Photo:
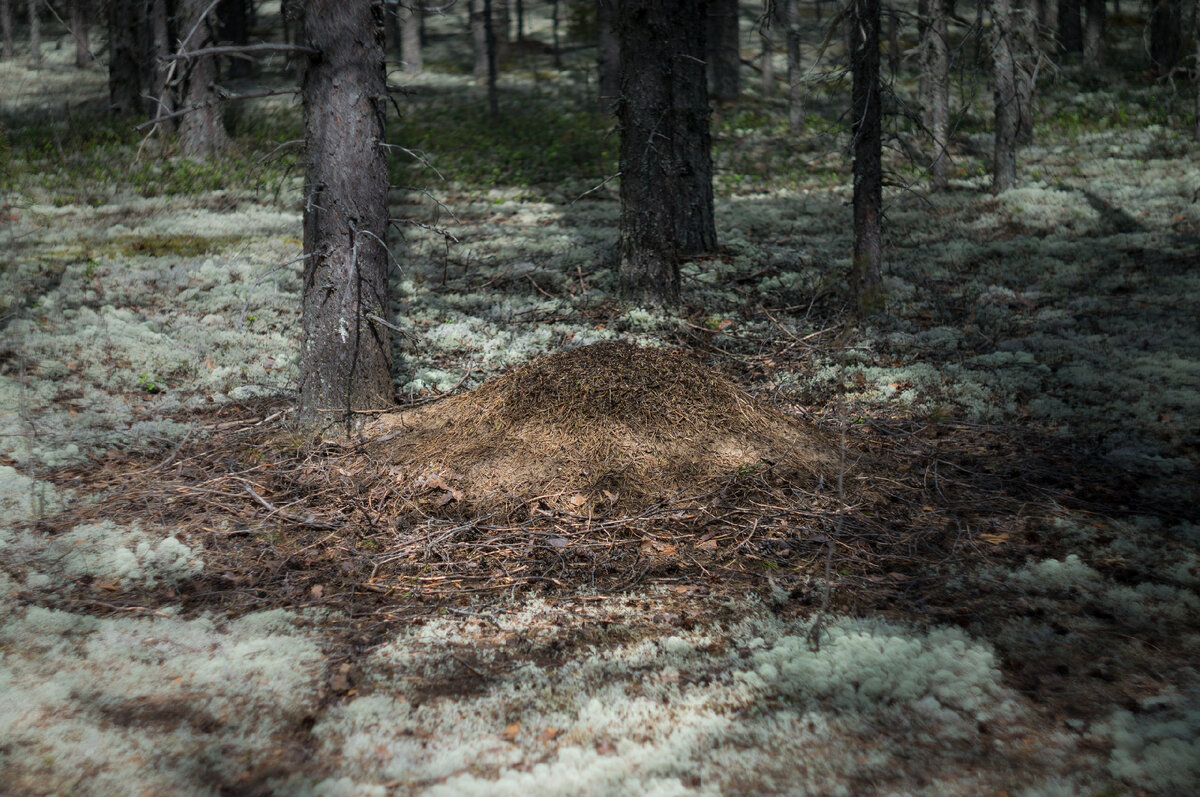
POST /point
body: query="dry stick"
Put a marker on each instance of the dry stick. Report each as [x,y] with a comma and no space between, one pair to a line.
[246,51]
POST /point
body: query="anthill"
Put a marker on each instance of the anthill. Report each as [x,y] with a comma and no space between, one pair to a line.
[594,430]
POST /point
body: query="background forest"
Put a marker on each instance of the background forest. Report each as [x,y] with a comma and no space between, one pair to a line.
[758,537]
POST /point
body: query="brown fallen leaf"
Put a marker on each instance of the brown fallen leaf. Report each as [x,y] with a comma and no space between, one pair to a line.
[510,733]
[549,735]
[995,539]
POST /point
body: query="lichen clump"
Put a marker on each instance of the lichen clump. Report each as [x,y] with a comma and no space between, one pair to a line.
[606,427]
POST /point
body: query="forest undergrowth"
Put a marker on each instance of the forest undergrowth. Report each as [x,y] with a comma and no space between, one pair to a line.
[972,568]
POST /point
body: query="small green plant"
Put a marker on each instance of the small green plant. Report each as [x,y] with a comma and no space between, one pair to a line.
[147,383]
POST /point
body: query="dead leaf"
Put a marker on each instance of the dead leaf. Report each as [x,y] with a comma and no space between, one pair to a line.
[451,494]
[707,545]
[317,591]
[549,735]
[577,500]
[995,539]
[510,733]
[558,542]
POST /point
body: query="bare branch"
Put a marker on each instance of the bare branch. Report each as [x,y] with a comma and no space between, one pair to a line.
[247,51]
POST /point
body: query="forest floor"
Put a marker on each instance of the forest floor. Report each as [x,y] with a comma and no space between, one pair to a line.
[972,569]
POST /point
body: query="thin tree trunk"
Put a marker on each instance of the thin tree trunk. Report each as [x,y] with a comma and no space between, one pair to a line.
[201,132]
[555,18]
[1165,41]
[1196,68]
[234,17]
[410,38]
[1070,27]
[160,47]
[666,165]
[521,20]
[938,68]
[479,38]
[795,75]
[893,30]
[768,56]
[124,65]
[724,50]
[1026,55]
[489,35]
[608,56]
[866,277]
[6,27]
[35,35]
[80,13]
[345,354]
[1093,34]
[1004,163]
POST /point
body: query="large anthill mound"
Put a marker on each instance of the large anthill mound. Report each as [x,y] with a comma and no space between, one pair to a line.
[598,429]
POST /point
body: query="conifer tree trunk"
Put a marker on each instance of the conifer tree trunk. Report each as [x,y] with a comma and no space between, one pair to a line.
[866,277]
[666,162]
[6,27]
[608,55]
[795,76]
[937,68]
[124,62]
[410,38]
[35,35]
[1070,27]
[1004,162]
[768,55]
[202,131]
[724,50]
[1025,60]
[479,39]
[1165,39]
[1093,34]
[345,354]
[80,20]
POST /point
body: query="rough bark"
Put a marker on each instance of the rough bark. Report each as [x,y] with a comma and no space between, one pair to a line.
[410,38]
[521,20]
[1165,41]
[1004,159]
[936,53]
[493,57]
[1093,34]
[1070,26]
[608,56]
[724,50]
[345,355]
[666,165]
[201,132]
[1196,69]
[80,21]
[893,34]
[6,27]
[35,34]
[866,277]
[795,75]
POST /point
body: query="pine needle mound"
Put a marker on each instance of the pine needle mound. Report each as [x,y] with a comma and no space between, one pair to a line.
[597,430]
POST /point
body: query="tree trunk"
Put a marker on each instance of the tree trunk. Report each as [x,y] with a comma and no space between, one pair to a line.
[1196,68]
[1093,34]
[201,132]
[1165,41]
[124,63]
[768,55]
[1070,29]
[666,165]
[608,57]
[724,50]
[795,75]
[866,278]
[6,23]
[345,354]
[234,16]
[410,38]
[489,38]
[1025,59]
[479,38]
[35,35]
[937,67]
[80,12]
[893,29]
[521,20]
[155,75]
[1004,163]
